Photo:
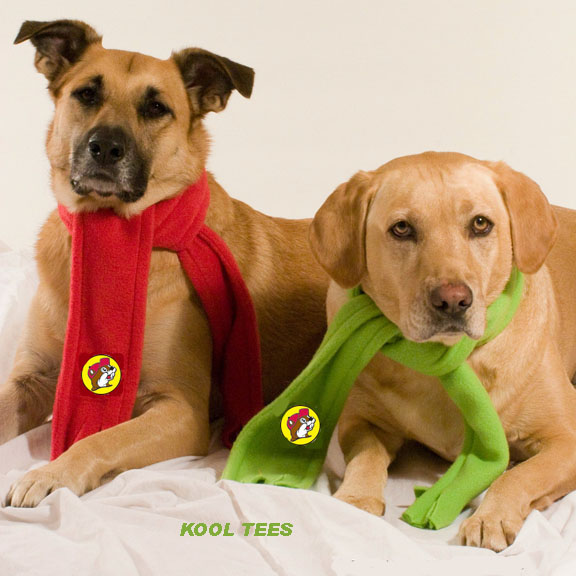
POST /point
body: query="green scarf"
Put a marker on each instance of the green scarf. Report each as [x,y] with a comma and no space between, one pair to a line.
[261,453]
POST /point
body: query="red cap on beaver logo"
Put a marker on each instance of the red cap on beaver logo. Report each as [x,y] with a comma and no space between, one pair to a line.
[103,362]
[296,416]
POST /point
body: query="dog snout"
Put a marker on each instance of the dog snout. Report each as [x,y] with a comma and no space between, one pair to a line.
[107,162]
[451,299]
[107,145]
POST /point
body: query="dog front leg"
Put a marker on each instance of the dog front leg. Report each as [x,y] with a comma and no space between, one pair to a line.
[27,398]
[533,484]
[368,452]
[546,413]
[170,428]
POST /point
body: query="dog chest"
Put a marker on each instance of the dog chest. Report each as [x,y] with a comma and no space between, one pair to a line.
[403,402]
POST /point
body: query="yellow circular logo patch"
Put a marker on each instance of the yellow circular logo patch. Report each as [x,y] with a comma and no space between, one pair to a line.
[101,374]
[300,425]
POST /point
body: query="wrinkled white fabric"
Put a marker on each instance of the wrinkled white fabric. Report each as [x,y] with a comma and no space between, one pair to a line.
[132,525]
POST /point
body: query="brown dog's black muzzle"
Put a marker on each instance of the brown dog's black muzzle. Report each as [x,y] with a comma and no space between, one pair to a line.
[107,162]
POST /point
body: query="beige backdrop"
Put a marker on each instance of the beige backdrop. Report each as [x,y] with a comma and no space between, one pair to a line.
[340,86]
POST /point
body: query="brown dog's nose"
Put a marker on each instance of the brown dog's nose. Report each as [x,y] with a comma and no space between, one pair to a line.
[451,299]
[107,145]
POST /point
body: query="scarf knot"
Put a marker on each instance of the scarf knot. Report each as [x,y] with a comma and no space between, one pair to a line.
[179,220]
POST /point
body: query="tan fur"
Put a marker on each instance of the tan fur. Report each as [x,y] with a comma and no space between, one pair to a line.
[175,401]
[527,369]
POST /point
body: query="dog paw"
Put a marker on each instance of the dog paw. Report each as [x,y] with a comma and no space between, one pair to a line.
[493,531]
[33,487]
[369,504]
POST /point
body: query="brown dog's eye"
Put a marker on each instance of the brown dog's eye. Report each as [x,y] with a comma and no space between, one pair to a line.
[153,109]
[481,226]
[402,230]
[88,96]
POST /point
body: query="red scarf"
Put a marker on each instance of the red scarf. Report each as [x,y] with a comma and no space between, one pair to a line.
[107,312]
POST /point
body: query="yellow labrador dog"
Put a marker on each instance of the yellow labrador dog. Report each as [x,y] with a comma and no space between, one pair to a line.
[433,238]
[148,114]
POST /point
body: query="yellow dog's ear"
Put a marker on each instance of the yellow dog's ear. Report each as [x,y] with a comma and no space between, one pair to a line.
[338,231]
[533,222]
[59,44]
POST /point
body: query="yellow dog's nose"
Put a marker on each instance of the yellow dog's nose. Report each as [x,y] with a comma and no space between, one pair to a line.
[451,299]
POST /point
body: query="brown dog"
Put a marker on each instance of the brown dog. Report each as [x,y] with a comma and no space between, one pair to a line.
[432,239]
[148,114]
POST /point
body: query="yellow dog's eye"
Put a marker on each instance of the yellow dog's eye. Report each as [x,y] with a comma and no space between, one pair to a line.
[481,226]
[402,230]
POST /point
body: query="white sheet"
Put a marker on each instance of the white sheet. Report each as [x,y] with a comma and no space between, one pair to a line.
[132,525]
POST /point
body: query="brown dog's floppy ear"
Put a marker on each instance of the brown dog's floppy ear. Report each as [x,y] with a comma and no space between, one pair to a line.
[338,231]
[532,219]
[59,44]
[209,79]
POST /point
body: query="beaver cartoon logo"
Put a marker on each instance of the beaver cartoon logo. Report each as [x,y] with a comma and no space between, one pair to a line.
[101,374]
[300,425]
